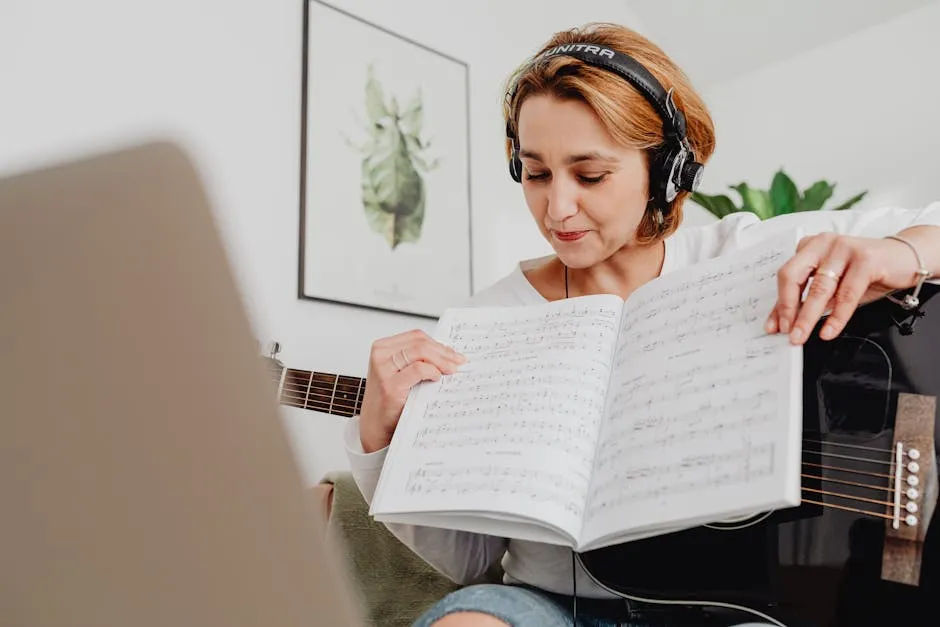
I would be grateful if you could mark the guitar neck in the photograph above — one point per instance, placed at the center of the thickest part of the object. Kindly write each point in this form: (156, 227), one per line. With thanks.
(324, 392)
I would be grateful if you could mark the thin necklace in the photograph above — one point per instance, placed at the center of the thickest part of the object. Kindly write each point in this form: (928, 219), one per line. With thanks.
(566, 281)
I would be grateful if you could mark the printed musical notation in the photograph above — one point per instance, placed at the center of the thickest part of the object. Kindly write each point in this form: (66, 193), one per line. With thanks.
(729, 304)
(699, 396)
(581, 328)
(663, 411)
(711, 378)
(535, 486)
(514, 432)
(531, 394)
(637, 483)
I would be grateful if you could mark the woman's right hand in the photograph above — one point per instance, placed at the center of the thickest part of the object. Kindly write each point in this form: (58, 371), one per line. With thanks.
(396, 364)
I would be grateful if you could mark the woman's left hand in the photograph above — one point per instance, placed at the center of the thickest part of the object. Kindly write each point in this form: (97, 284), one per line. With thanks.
(846, 271)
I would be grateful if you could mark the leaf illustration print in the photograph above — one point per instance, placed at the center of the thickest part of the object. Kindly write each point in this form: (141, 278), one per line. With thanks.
(393, 188)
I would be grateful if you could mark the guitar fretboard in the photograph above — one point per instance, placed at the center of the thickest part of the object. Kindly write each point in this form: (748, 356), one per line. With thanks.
(321, 391)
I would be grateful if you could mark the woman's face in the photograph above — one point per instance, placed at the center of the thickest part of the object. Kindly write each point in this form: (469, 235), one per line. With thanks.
(586, 193)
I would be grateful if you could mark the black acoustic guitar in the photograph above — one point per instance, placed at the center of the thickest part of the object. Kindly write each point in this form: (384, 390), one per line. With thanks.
(862, 550)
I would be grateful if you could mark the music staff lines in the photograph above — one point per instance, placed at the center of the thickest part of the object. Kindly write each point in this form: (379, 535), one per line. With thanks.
(557, 322)
(627, 485)
(499, 480)
(761, 270)
(614, 445)
(706, 378)
(513, 434)
(484, 385)
(740, 309)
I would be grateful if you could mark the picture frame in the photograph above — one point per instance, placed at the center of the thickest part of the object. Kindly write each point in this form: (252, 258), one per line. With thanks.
(385, 203)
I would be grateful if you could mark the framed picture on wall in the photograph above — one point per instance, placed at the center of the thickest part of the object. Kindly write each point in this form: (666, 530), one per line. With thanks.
(385, 211)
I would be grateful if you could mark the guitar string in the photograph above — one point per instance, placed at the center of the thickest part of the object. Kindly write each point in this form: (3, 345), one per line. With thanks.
(849, 509)
(863, 499)
(844, 445)
(879, 475)
(299, 392)
(317, 398)
(321, 398)
(297, 386)
(881, 462)
(858, 484)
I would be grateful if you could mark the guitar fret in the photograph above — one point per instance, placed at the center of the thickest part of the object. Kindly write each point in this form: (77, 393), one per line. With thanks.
(281, 378)
(320, 400)
(333, 395)
(307, 393)
(357, 405)
(349, 387)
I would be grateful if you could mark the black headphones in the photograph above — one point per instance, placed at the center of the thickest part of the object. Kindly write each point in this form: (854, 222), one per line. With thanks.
(673, 166)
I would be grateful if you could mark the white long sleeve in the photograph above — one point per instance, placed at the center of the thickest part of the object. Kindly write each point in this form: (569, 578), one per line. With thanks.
(459, 555)
(742, 229)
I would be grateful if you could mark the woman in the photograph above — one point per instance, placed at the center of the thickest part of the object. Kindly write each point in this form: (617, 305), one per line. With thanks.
(591, 164)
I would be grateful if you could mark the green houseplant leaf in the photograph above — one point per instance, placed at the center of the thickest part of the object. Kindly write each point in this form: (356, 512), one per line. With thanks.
(782, 197)
(815, 196)
(851, 201)
(755, 200)
(719, 204)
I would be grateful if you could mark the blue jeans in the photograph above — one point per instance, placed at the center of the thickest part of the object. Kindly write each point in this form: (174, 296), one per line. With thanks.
(520, 606)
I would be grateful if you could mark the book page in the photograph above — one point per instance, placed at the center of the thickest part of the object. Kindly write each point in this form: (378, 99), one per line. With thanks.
(704, 418)
(513, 431)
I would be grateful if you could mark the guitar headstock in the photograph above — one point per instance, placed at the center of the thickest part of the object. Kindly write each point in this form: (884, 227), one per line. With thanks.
(269, 354)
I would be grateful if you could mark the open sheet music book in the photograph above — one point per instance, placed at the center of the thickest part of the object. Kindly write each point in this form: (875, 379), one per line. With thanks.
(593, 421)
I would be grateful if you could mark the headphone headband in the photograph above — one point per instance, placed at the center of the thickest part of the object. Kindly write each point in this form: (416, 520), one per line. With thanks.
(634, 73)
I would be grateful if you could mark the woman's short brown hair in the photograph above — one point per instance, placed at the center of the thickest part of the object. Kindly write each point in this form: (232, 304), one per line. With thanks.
(624, 112)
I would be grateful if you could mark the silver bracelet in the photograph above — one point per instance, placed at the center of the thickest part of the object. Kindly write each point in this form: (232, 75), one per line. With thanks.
(910, 301)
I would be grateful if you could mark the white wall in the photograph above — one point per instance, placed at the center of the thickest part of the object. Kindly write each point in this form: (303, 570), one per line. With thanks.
(224, 78)
(860, 111)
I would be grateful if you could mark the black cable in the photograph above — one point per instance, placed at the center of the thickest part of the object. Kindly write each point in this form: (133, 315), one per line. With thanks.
(574, 575)
(574, 592)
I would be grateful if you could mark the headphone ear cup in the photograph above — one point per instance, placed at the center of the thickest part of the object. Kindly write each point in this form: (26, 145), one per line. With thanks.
(660, 161)
(515, 163)
(672, 169)
(515, 166)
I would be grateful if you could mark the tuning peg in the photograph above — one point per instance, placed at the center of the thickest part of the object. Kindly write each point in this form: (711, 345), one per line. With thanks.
(275, 348)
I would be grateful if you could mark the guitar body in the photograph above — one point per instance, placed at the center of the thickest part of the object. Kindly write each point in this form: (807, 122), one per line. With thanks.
(837, 560)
